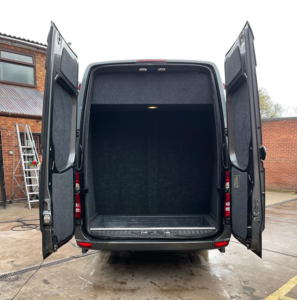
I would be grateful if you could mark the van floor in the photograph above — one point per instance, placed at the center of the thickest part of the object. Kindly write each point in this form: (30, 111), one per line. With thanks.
(152, 226)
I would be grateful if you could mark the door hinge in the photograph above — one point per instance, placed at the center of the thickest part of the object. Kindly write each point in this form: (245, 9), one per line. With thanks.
(59, 38)
(81, 191)
(226, 221)
(77, 133)
(226, 131)
(223, 190)
(255, 216)
(46, 219)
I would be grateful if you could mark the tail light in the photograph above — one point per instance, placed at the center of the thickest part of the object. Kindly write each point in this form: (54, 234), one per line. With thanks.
(221, 244)
(85, 244)
(77, 198)
(227, 196)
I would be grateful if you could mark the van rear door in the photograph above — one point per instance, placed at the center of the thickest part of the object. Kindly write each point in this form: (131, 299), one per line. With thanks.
(57, 184)
(245, 143)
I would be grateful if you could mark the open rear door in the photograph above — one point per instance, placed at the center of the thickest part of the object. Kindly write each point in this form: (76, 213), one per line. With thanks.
(245, 143)
(57, 211)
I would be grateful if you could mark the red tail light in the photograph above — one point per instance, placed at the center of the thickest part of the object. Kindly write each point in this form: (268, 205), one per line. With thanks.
(85, 244)
(221, 244)
(227, 196)
(77, 198)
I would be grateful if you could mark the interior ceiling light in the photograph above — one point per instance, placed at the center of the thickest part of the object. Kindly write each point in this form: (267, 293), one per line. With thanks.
(153, 107)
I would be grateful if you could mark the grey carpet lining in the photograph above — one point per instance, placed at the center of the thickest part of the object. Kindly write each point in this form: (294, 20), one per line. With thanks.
(144, 162)
(69, 67)
(239, 203)
(63, 205)
(233, 65)
(241, 124)
(62, 125)
(152, 162)
(152, 88)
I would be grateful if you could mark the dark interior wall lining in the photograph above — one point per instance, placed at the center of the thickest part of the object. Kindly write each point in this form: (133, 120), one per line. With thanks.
(63, 209)
(134, 86)
(152, 88)
(120, 162)
(152, 162)
(240, 206)
(62, 125)
(233, 67)
(185, 159)
(91, 210)
(241, 124)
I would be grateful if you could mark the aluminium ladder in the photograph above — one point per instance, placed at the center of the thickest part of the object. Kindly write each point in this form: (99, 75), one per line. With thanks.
(29, 162)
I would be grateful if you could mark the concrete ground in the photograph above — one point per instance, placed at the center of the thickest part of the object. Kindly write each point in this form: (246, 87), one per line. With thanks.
(236, 274)
(273, 198)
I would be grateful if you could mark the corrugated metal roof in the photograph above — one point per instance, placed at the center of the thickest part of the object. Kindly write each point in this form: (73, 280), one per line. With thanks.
(22, 39)
(20, 100)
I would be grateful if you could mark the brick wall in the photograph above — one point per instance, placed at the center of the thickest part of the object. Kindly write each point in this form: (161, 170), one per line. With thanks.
(280, 139)
(8, 141)
(40, 64)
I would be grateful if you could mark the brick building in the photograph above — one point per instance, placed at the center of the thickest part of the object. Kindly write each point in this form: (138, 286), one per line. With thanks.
(22, 76)
(280, 139)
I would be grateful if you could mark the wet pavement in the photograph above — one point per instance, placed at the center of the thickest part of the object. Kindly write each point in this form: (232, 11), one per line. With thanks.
(236, 274)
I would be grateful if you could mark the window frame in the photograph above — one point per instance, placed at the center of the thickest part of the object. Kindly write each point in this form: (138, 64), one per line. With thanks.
(32, 65)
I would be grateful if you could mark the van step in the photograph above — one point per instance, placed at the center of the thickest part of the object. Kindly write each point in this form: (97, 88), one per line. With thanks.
(152, 228)
(153, 233)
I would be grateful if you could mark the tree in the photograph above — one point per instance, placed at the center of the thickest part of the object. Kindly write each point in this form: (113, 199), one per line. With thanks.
(268, 108)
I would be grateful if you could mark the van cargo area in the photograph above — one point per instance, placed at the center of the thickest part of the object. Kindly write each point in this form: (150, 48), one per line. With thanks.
(152, 162)
(148, 155)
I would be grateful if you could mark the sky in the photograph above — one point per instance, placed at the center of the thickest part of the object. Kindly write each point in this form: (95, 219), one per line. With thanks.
(189, 30)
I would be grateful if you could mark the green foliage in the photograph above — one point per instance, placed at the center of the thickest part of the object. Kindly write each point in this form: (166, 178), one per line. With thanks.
(268, 108)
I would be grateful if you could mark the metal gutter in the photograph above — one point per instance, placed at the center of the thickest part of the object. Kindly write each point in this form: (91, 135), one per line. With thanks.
(7, 114)
(24, 44)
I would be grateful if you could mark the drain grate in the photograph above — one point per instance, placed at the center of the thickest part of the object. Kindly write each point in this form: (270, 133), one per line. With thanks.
(53, 263)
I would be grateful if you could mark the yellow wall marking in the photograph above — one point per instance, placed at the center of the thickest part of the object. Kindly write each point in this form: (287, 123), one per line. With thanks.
(283, 290)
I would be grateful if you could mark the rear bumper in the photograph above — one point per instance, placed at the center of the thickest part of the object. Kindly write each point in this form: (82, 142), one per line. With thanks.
(152, 245)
